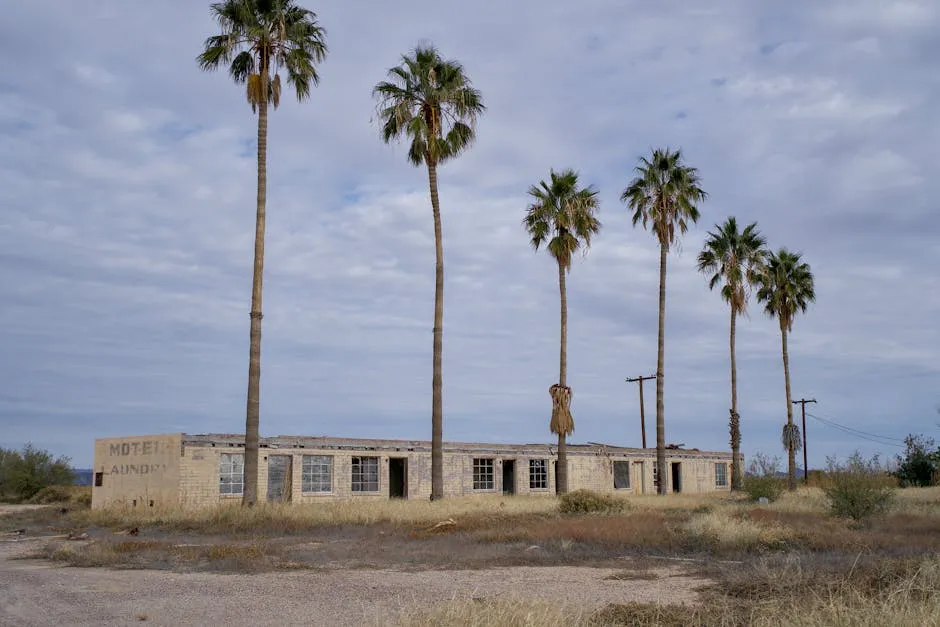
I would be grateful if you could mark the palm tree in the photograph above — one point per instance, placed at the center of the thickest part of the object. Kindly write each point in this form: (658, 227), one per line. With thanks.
(431, 101)
(663, 195)
(561, 216)
(733, 260)
(787, 288)
(259, 38)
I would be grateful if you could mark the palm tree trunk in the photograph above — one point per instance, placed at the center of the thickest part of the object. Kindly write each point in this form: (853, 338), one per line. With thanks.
(253, 414)
(791, 451)
(437, 412)
(660, 375)
(561, 471)
(735, 423)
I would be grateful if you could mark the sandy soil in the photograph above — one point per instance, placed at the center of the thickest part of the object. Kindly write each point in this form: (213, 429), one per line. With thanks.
(34, 593)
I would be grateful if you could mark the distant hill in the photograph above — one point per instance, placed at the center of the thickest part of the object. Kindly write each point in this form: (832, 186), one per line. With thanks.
(83, 476)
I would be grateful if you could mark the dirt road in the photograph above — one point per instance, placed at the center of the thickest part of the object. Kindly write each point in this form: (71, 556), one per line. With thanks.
(34, 593)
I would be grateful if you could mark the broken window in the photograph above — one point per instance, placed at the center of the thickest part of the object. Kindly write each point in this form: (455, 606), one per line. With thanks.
(99, 479)
(721, 475)
(538, 474)
(365, 474)
(621, 475)
(483, 474)
(317, 474)
(232, 473)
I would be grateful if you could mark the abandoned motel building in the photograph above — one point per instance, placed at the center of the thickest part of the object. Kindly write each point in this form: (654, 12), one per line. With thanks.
(199, 470)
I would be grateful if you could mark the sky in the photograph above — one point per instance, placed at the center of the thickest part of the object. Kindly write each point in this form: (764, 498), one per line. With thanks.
(127, 204)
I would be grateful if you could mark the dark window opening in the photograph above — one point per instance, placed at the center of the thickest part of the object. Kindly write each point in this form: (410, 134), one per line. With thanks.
(621, 475)
(99, 479)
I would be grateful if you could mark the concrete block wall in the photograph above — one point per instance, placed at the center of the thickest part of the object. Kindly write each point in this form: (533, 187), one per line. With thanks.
(188, 473)
(141, 471)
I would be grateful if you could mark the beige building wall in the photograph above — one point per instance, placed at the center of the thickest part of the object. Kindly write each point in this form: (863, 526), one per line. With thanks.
(142, 471)
(188, 471)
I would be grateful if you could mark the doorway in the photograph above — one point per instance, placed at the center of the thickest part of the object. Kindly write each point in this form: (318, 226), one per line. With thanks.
(676, 477)
(279, 478)
(639, 476)
(397, 477)
(509, 476)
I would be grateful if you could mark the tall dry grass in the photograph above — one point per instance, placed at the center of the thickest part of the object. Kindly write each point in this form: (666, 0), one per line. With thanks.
(288, 518)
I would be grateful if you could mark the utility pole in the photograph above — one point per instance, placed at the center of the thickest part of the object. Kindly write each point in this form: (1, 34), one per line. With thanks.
(642, 414)
(802, 402)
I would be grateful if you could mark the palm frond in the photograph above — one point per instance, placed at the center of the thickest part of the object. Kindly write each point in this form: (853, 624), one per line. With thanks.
(733, 260)
(562, 216)
(664, 194)
(259, 37)
(786, 287)
(430, 101)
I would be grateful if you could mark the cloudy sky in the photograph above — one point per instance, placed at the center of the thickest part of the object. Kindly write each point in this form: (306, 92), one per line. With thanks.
(127, 217)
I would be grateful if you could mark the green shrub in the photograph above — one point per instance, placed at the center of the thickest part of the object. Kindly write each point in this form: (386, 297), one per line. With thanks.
(769, 488)
(859, 488)
(24, 473)
(588, 502)
(761, 480)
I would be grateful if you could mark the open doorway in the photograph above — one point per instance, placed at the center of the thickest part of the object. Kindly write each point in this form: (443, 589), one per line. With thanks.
(676, 477)
(397, 477)
(509, 476)
(279, 478)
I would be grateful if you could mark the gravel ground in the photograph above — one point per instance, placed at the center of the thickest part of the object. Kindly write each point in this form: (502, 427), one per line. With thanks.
(34, 593)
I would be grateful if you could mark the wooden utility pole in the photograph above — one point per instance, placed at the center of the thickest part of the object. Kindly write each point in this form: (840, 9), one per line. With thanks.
(803, 402)
(642, 414)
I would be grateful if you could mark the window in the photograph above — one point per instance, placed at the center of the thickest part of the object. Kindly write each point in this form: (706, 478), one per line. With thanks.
(99, 479)
(316, 474)
(538, 474)
(721, 475)
(365, 474)
(232, 474)
(483, 474)
(656, 474)
(621, 475)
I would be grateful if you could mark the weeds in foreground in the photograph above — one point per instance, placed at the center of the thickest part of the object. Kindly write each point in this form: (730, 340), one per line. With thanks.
(787, 591)
(164, 555)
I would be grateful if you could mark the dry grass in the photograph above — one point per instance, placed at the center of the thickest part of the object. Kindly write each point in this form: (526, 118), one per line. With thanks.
(722, 530)
(778, 592)
(485, 613)
(293, 518)
(241, 557)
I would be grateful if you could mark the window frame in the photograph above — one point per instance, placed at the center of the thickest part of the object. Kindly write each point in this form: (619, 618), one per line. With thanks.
(356, 464)
(724, 474)
(227, 468)
(613, 469)
(307, 473)
(538, 469)
(481, 467)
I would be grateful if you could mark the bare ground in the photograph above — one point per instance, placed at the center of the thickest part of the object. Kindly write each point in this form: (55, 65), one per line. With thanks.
(394, 573)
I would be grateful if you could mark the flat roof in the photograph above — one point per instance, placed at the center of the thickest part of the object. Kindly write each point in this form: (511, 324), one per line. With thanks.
(371, 444)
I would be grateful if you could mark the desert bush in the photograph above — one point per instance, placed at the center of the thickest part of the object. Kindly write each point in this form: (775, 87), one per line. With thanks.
(24, 473)
(762, 480)
(859, 488)
(920, 464)
(589, 502)
(52, 494)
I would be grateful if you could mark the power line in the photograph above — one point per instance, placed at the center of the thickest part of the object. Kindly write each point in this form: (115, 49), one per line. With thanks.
(830, 420)
(854, 432)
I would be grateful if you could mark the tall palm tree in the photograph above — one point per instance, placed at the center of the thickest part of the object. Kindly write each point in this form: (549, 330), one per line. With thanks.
(431, 101)
(786, 289)
(663, 195)
(260, 38)
(733, 259)
(561, 216)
